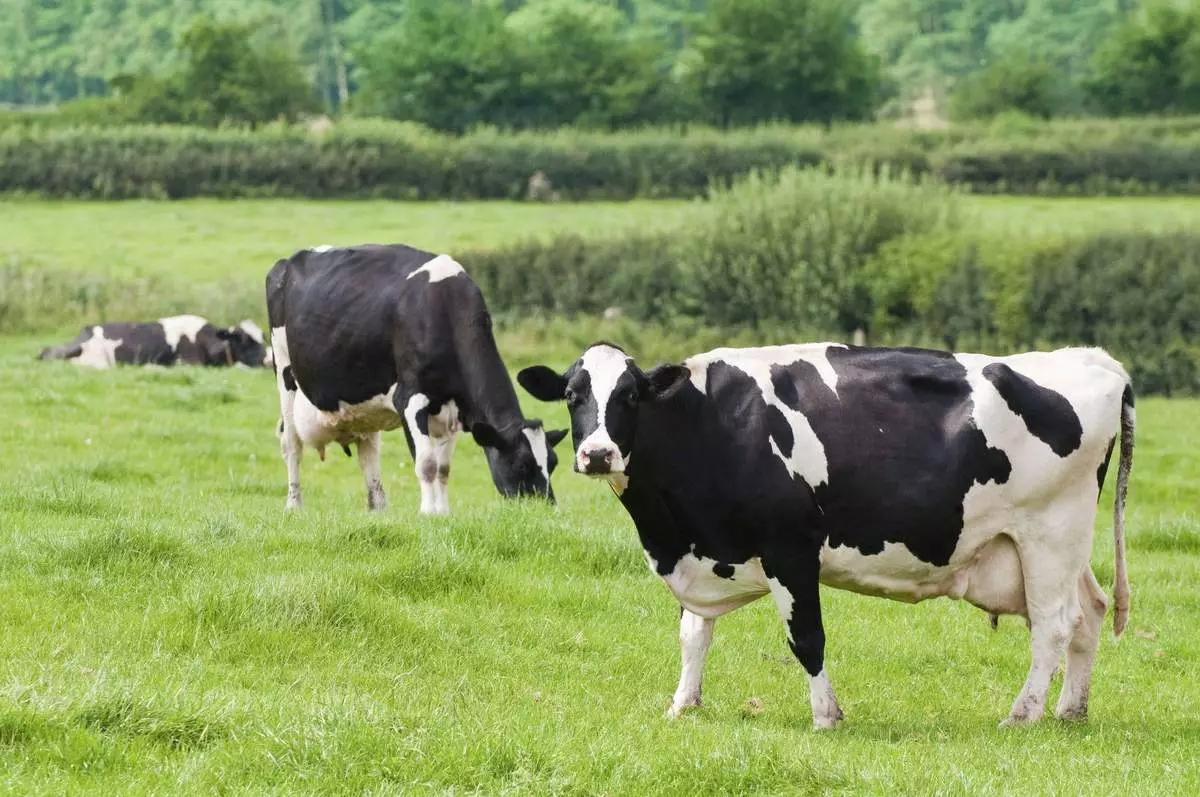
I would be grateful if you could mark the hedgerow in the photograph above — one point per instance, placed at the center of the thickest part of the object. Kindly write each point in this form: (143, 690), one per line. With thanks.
(360, 159)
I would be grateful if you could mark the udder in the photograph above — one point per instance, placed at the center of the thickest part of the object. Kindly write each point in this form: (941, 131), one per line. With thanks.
(346, 424)
(995, 582)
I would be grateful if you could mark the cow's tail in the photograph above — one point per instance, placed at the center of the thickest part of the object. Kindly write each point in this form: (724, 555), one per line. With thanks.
(68, 352)
(1124, 465)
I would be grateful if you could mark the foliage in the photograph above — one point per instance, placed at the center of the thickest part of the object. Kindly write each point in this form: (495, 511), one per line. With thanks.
(1011, 84)
(781, 60)
(44, 154)
(1150, 64)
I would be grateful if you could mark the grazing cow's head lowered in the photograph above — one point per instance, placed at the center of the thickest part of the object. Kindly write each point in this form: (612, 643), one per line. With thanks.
(603, 391)
(521, 460)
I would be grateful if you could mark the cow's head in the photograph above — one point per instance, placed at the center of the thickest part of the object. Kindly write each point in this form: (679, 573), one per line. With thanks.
(522, 459)
(245, 344)
(603, 391)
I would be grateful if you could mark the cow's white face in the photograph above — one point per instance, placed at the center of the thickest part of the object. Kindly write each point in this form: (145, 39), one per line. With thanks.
(603, 391)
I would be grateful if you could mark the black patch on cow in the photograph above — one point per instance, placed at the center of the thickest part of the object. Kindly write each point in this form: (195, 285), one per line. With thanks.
(1102, 471)
(1047, 414)
(422, 418)
(901, 446)
(289, 379)
(722, 570)
(585, 410)
(620, 412)
(780, 430)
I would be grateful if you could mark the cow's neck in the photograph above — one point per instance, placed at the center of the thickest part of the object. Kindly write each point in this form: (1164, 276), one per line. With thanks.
(489, 394)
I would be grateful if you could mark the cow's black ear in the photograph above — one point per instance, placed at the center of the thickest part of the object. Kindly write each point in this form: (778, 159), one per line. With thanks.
(555, 436)
(666, 380)
(543, 383)
(487, 436)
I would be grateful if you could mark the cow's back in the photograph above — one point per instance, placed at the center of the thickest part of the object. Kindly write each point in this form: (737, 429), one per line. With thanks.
(355, 318)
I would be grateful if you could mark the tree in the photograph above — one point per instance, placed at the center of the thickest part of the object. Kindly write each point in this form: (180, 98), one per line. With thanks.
(581, 65)
(453, 64)
(1014, 83)
(788, 60)
(1150, 64)
(225, 76)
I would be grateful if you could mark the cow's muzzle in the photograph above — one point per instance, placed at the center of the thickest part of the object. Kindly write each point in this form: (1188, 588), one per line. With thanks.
(599, 461)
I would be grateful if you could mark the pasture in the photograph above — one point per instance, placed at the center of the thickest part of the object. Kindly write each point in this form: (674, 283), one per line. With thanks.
(167, 628)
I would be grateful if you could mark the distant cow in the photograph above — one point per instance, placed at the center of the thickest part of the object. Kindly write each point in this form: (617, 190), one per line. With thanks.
(369, 338)
(901, 473)
(186, 339)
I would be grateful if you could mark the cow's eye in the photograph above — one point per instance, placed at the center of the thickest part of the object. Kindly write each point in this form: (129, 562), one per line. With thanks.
(571, 397)
(629, 398)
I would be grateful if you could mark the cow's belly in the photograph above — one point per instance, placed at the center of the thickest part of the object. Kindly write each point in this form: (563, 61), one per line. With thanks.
(700, 590)
(985, 572)
(350, 422)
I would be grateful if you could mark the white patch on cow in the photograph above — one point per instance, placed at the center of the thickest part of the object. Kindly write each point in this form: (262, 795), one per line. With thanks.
(178, 327)
(701, 591)
(97, 351)
(807, 459)
(604, 365)
(253, 330)
(279, 350)
(322, 248)
(695, 636)
(537, 441)
(348, 423)
(440, 268)
(432, 451)
(817, 354)
(825, 711)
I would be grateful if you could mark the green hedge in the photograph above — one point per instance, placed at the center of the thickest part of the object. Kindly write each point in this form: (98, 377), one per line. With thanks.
(813, 255)
(392, 160)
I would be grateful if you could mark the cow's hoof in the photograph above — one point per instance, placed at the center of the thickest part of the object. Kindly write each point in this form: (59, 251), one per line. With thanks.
(828, 722)
(1018, 721)
(291, 506)
(1072, 714)
(680, 707)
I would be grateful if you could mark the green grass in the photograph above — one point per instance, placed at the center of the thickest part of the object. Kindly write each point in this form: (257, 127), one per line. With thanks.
(212, 241)
(166, 628)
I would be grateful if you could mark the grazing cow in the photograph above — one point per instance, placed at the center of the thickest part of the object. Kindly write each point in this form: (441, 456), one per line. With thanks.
(900, 473)
(369, 338)
(187, 339)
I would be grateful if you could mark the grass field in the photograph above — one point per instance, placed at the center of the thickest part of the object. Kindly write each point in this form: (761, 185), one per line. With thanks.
(211, 240)
(167, 629)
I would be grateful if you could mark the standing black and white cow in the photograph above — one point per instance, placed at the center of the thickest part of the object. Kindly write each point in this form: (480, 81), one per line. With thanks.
(181, 339)
(368, 338)
(901, 473)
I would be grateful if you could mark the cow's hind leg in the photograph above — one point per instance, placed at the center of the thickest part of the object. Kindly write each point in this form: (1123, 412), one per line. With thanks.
(368, 462)
(416, 416)
(795, 588)
(1052, 573)
(290, 445)
(695, 635)
(1081, 651)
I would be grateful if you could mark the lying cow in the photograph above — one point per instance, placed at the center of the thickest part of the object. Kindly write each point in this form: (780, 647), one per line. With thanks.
(181, 339)
(370, 338)
(901, 473)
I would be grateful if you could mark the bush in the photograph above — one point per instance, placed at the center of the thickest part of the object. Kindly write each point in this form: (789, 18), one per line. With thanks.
(43, 154)
(813, 255)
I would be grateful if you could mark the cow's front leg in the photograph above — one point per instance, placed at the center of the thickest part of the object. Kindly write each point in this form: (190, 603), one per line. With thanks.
(795, 588)
(695, 635)
(416, 416)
